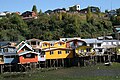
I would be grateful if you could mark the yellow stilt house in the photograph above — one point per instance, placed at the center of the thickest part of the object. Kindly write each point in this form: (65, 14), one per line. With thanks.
(58, 57)
(84, 51)
(53, 44)
(58, 53)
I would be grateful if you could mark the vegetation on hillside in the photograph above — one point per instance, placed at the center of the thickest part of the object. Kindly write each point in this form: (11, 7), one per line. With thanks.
(54, 26)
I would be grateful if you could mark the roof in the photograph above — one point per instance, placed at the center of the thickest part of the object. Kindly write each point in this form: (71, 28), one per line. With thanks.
(33, 40)
(9, 54)
(22, 45)
(117, 29)
(59, 41)
(93, 40)
(66, 39)
(26, 52)
(49, 42)
(109, 46)
(8, 46)
(110, 40)
(50, 49)
(75, 40)
(4, 43)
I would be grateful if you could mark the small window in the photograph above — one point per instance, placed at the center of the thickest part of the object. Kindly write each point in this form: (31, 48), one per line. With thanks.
(59, 52)
(91, 45)
(82, 50)
(51, 52)
(29, 56)
(42, 53)
(60, 44)
(5, 50)
(33, 43)
(10, 56)
(99, 44)
(51, 44)
(88, 49)
(100, 50)
(44, 44)
(67, 51)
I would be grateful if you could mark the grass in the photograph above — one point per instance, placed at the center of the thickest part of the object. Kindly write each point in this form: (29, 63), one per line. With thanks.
(97, 72)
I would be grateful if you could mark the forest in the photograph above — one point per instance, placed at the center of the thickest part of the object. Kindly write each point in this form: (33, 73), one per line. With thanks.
(56, 25)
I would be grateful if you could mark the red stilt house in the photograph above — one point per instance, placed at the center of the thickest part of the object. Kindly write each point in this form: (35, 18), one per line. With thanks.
(26, 53)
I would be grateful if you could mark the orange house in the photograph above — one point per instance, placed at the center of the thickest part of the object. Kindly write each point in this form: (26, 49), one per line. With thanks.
(26, 53)
(28, 57)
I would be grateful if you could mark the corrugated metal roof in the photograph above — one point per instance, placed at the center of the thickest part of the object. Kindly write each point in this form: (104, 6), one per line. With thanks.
(110, 40)
(25, 52)
(94, 40)
(9, 54)
(49, 49)
(117, 29)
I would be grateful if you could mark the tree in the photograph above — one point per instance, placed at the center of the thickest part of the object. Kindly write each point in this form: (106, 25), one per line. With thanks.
(40, 12)
(34, 9)
(118, 11)
(89, 15)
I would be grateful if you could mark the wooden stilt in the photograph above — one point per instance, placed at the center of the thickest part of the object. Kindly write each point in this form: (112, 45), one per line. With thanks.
(63, 62)
(78, 62)
(1, 66)
(50, 63)
(56, 62)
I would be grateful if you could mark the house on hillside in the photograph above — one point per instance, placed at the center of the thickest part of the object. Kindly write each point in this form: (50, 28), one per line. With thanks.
(59, 10)
(75, 8)
(29, 15)
(92, 8)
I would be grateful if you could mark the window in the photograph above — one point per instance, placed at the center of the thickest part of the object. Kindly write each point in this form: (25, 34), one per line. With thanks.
(98, 44)
(29, 56)
(44, 44)
(100, 50)
(10, 56)
(82, 50)
(5, 50)
(67, 51)
(11, 50)
(91, 45)
(51, 52)
(88, 49)
(51, 44)
(42, 53)
(59, 52)
(33, 43)
(60, 44)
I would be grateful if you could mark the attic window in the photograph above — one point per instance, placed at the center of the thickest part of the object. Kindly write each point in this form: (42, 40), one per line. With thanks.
(51, 44)
(44, 44)
(60, 44)
(33, 43)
